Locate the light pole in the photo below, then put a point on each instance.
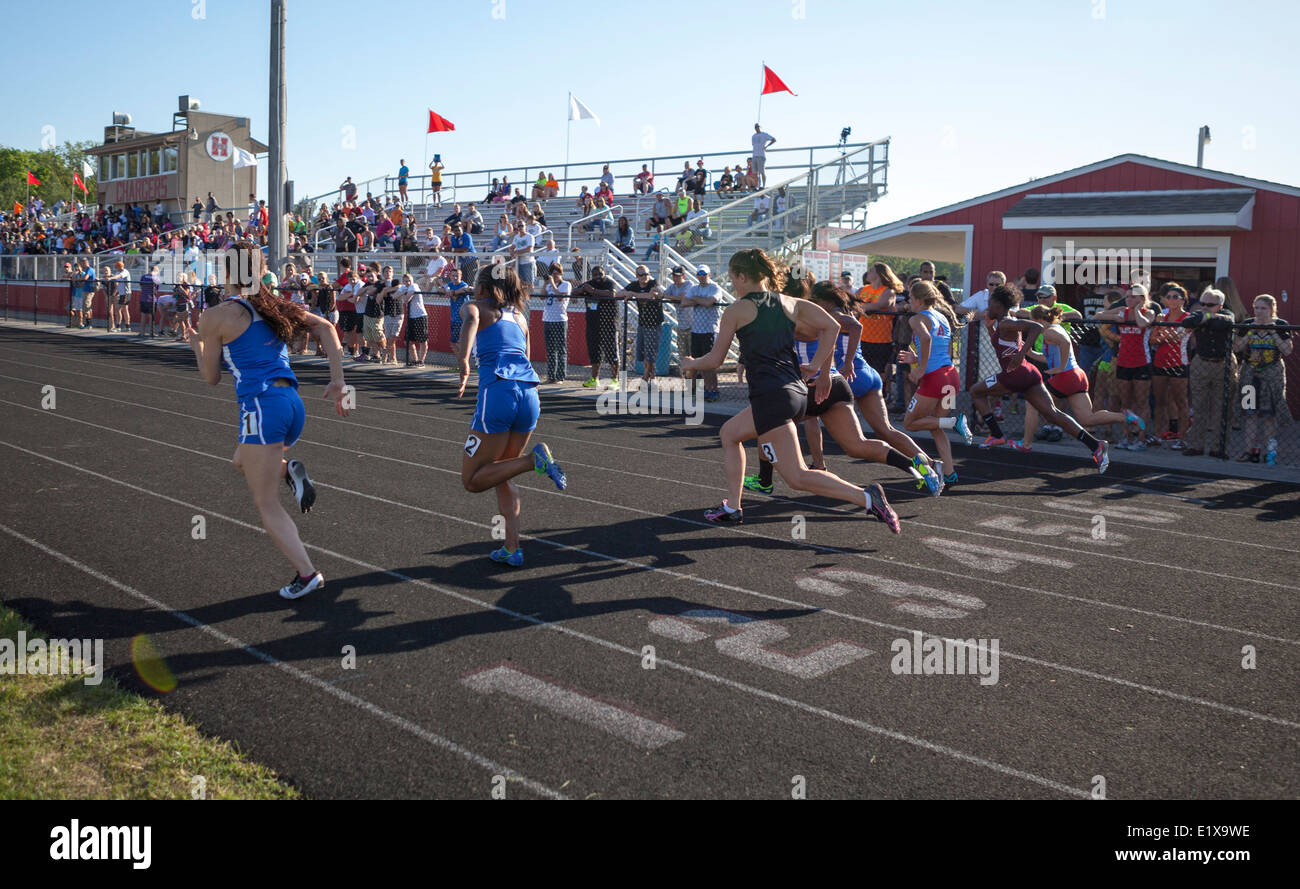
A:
(1202, 137)
(278, 112)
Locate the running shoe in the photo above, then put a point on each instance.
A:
(590, 384)
(1153, 442)
(304, 491)
(881, 509)
(950, 479)
(992, 442)
(1178, 445)
(1020, 446)
(1042, 433)
(613, 384)
(931, 476)
(298, 587)
(1101, 456)
(720, 515)
(754, 483)
(544, 463)
(1170, 435)
(963, 429)
(1134, 420)
(1138, 445)
(506, 557)
(1055, 433)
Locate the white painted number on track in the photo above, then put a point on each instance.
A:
(904, 596)
(1068, 533)
(988, 558)
(751, 640)
(1112, 511)
(618, 721)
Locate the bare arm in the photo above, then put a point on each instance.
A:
(207, 346)
(722, 342)
(328, 337)
(468, 333)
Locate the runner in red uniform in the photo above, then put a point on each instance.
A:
(1012, 339)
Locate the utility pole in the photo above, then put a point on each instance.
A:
(276, 240)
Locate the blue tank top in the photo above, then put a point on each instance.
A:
(1053, 352)
(502, 350)
(940, 340)
(806, 348)
(257, 357)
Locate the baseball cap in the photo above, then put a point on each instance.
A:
(1138, 290)
(702, 270)
(848, 275)
(678, 270)
(1046, 290)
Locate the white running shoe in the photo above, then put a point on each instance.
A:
(299, 588)
(303, 490)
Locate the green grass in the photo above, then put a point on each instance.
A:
(63, 739)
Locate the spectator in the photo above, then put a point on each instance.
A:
(197, 209)
(687, 177)
(148, 292)
(548, 255)
(403, 172)
(555, 324)
(1232, 301)
(643, 182)
(726, 184)
(505, 187)
(762, 209)
(521, 249)
(463, 246)
(681, 208)
(539, 187)
(703, 300)
(650, 319)
(518, 200)
(539, 215)
(623, 238)
(210, 208)
(434, 271)
(606, 193)
(701, 228)
(602, 330)
(779, 206)
(435, 181)
(118, 284)
(370, 304)
(417, 324)
(494, 193)
(473, 220)
(351, 320)
(384, 231)
(600, 220)
(458, 292)
(349, 189)
(396, 294)
(1169, 368)
(760, 140)
(430, 243)
(365, 239)
(500, 240)
(584, 201)
(552, 186)
(655, 241)
(1132, 364)
(86, 275)
(699, 183)
(607, 179)
(660, 212)
(1265, 344)
(677, 291)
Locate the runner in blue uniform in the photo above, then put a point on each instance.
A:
(252, 335)
(496, 321)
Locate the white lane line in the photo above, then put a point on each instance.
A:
(989, 558)
(1117, 512)
(375, 710)
(621, 722)
(612, 646)
(884, 582)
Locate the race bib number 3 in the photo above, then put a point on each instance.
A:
(769, 453)
(471, 445)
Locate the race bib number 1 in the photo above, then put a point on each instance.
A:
(471, 445)
(248, 425)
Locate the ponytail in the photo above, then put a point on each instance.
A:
(757, 266)
(927, 293)
(284, 317)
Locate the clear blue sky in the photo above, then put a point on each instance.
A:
(976, 96)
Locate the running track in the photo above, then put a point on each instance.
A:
(1119, 657)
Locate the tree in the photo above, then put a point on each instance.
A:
(54, 167)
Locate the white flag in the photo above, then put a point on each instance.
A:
(244, 159)
(87, 169)
(579, 111)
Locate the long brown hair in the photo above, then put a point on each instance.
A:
(1232, 300)
(501, 287)
(757, 266)
(828, 293)
(887, 276)
(285, 317)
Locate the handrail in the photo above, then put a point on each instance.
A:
(603, 211)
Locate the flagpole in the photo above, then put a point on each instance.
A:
(759, 119)
(426, 161)
(568, 132)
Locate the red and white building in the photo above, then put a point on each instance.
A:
(1197, 225)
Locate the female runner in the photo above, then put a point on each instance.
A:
(254, 334)
(1064, 377)
(764, 321)
(1133, 362)
(506, 414)
(862, 383)
(1012, 338)
(937, 382)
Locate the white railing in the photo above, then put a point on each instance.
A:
(604, 212)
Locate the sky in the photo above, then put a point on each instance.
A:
(974, 96)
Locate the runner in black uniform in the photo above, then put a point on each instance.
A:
(765, 323)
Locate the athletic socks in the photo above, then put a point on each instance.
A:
(765, 473)
(994, 426)
(867, 494)
(1085, 437)
(306, 578)
(898, 461)
(947, 422)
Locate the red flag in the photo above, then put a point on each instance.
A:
(76, 180)
(439, 124)
(774, 84)
(31, 179)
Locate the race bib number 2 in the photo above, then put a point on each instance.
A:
(471, 445)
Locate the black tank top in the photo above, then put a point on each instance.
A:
(767, 346)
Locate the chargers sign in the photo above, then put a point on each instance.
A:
(220, 147)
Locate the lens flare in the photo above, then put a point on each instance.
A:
(150, 666)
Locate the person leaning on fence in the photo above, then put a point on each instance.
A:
(1265, 343)
(555, 323)
(1212, 372)
(417, 326)
(703, 300)
(650, 318)
(602, 328)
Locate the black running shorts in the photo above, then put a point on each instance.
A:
(773, 408)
